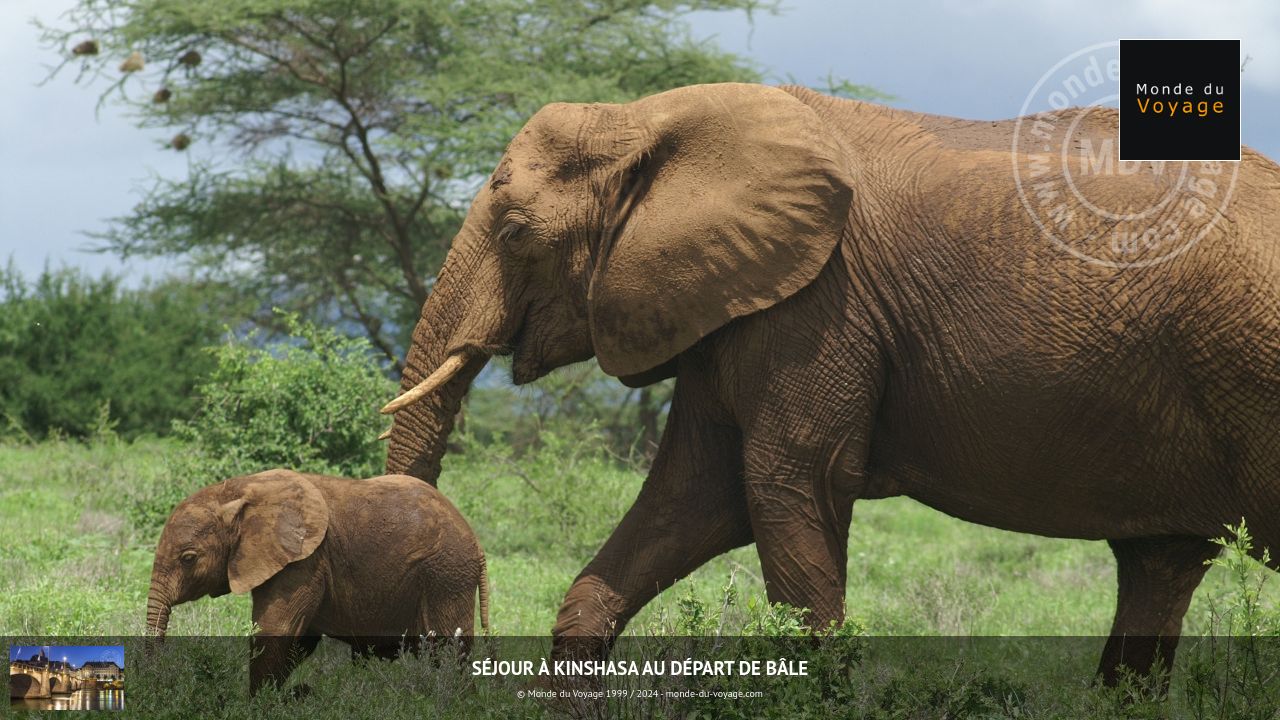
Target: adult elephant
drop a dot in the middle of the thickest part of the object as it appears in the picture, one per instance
(855, 304)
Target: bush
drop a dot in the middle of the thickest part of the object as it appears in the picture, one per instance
(1232, 669)
(309, 403)
(71, 345)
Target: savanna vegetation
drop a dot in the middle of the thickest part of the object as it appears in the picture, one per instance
(79, 520)
(334, 146)
(74, 348)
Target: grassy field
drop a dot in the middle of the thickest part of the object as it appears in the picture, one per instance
(76, 536)
(72, 560)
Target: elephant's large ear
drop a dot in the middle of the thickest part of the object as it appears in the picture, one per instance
(735, 201)
(276, 517)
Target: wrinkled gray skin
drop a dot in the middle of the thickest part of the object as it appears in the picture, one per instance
(370, 562)
(855, 304)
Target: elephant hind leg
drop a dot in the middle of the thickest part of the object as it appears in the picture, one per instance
(1156, 578)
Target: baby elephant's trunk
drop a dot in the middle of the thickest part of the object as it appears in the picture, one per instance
(157, 615)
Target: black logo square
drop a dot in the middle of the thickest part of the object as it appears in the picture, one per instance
(1179, 99)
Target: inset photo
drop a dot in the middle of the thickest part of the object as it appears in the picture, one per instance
(66, 677)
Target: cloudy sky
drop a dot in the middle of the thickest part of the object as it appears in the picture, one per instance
(62, 172)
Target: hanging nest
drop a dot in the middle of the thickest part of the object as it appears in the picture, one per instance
(133, 63)
(181, 141)
(88, 47)
(162, 96)
(190, 58)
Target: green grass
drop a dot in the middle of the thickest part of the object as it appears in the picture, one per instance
(72, 562)
(75, 558)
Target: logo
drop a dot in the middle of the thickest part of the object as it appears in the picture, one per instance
(1180, 99)
(1082, 196)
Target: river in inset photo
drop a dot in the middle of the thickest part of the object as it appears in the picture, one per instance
(77, 700)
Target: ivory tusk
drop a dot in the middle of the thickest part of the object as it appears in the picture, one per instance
(386, 433)
(447, 370)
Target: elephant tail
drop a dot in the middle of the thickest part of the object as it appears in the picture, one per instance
(483, 592)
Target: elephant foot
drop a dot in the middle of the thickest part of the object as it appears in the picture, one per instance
(592, 615)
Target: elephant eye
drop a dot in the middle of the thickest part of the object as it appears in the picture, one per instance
(188, 557)
(509, 233)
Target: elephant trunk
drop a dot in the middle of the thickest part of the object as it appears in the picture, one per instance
(157, 614)
(451, 344)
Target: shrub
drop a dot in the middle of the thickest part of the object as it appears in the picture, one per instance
(1232, 669)
(309, 403)
(71, 345)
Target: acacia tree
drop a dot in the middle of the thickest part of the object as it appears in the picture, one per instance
(336, 142)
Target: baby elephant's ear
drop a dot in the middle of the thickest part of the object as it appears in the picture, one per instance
(276, 517)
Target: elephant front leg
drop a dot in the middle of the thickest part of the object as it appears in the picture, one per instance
(283, 608)
(690, 509)
(803, 470)
(802, 536)
(275, 657)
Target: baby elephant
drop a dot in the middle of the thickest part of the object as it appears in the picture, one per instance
(366, 561)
